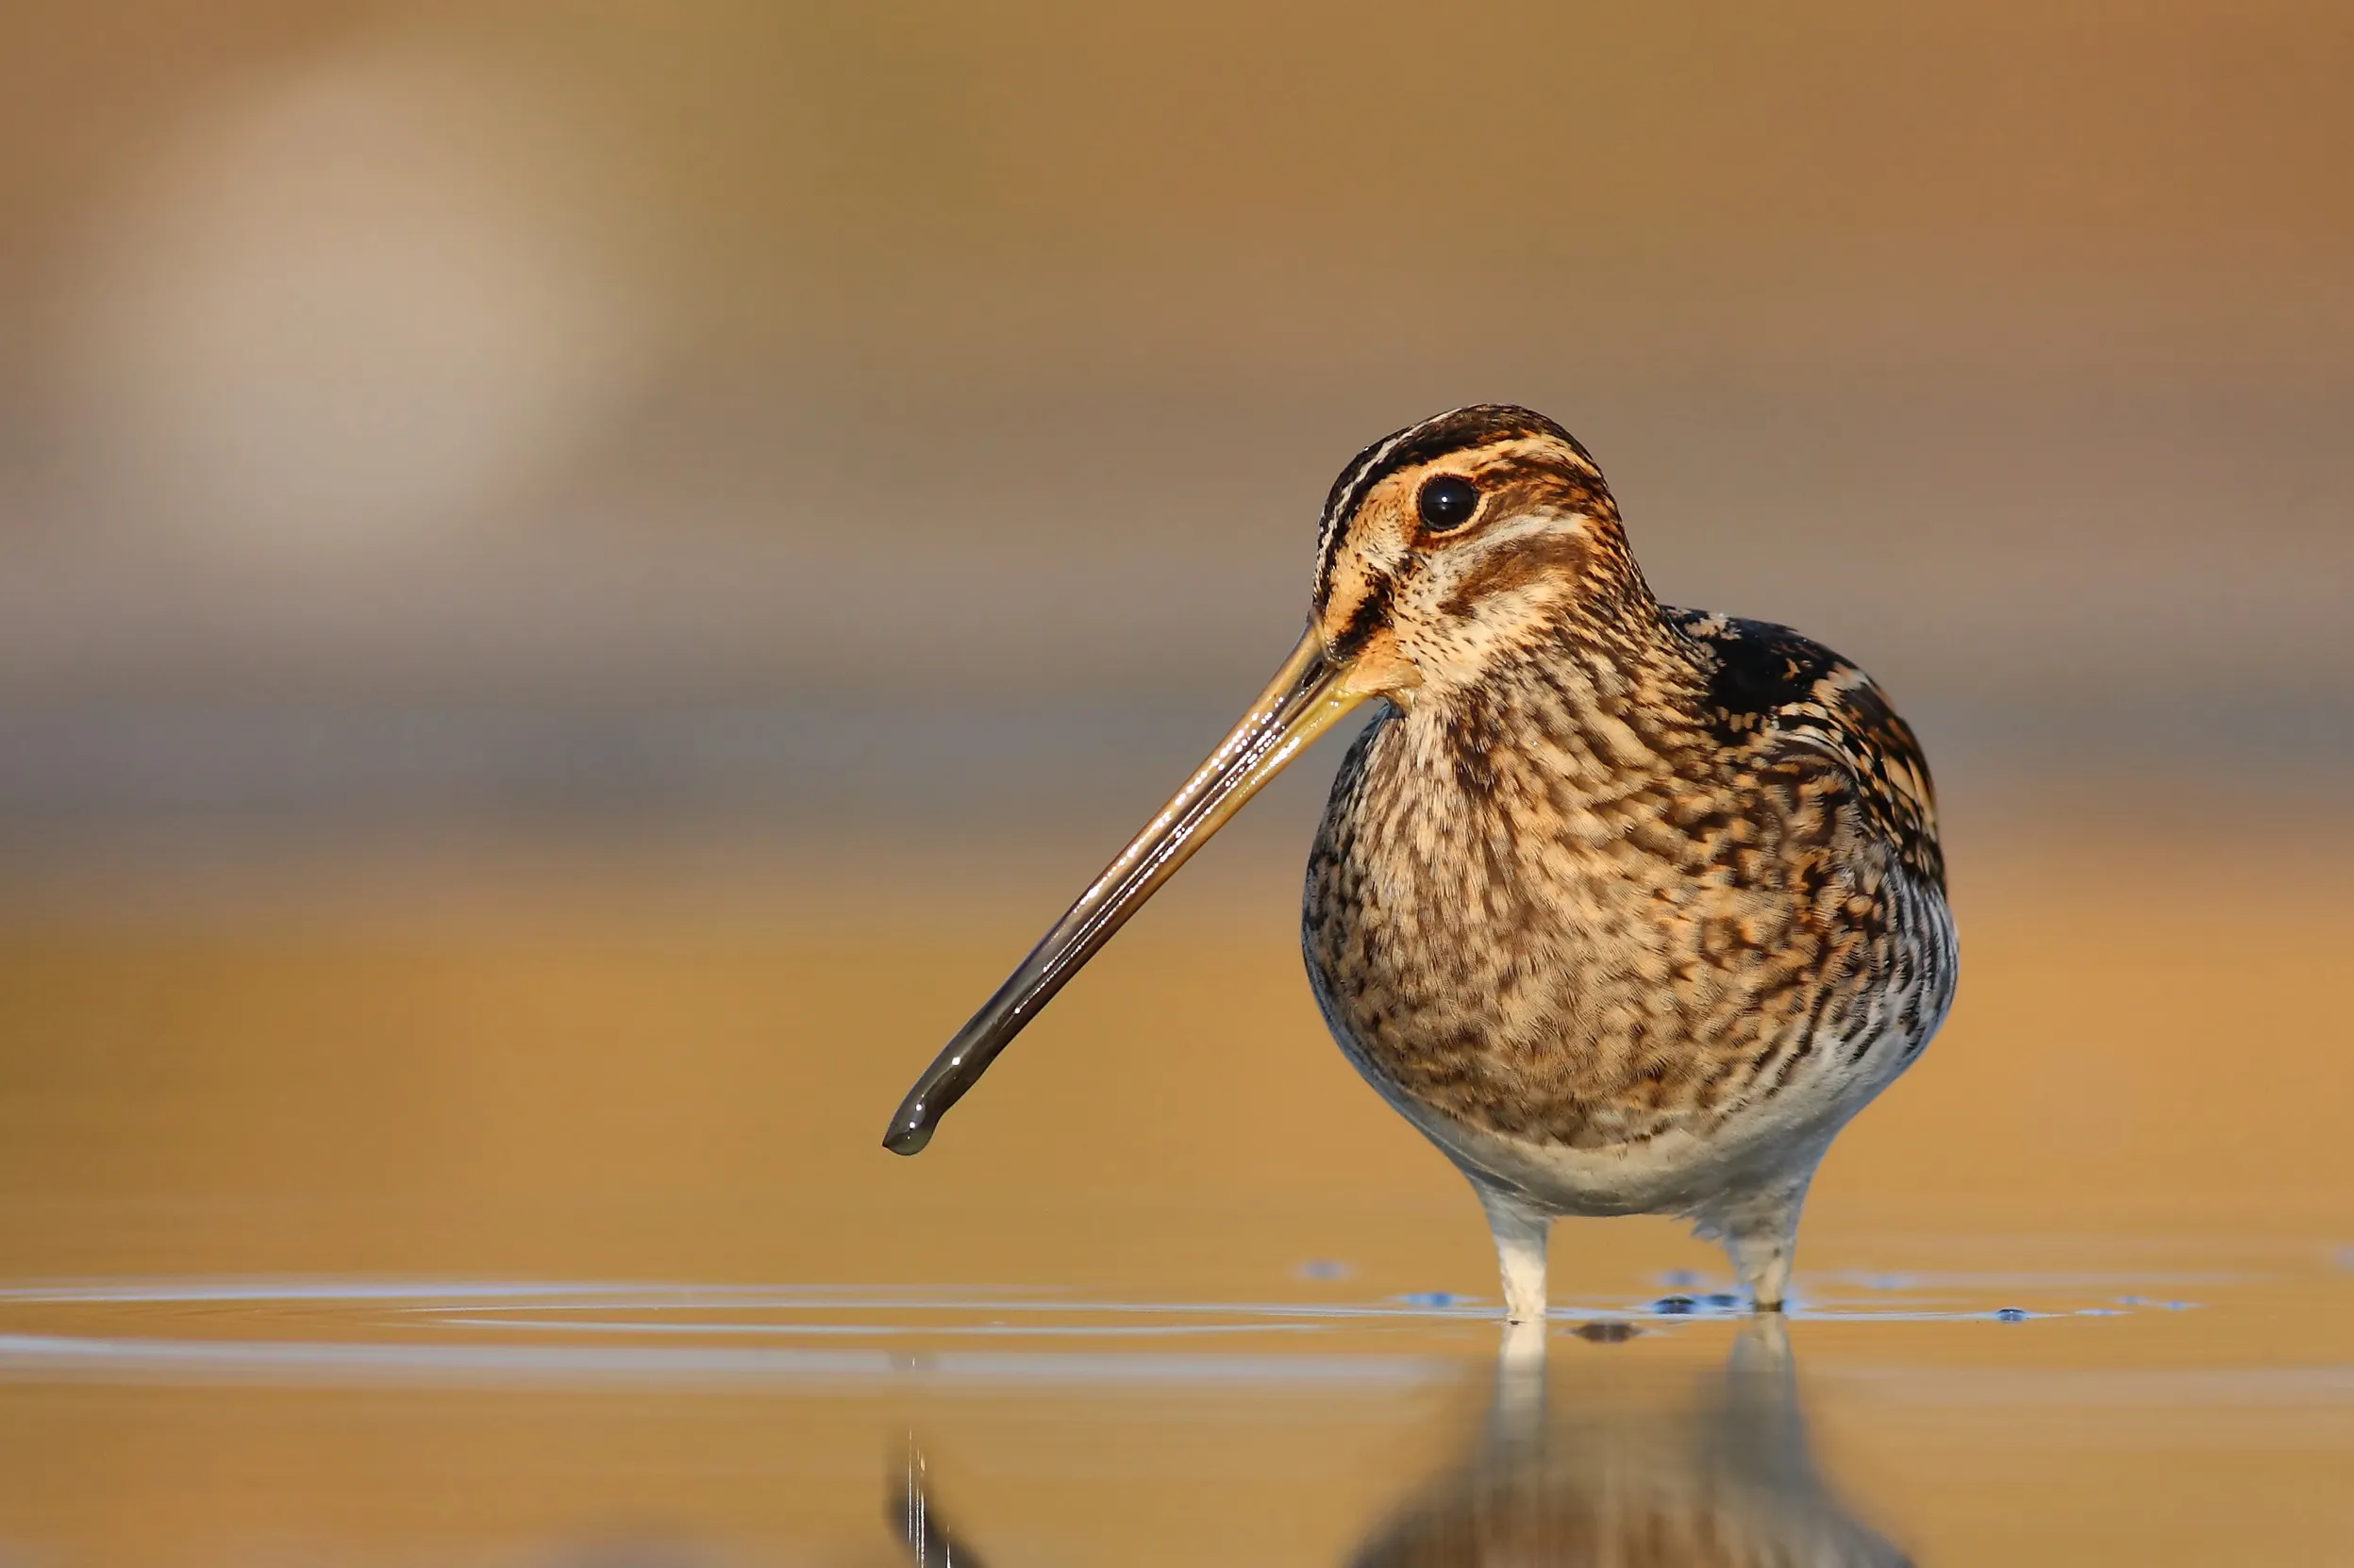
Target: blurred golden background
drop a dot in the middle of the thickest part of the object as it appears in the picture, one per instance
(774, 412)
(578, 579)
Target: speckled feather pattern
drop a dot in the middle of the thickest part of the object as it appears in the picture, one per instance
(1652, 870)
(1628, 910)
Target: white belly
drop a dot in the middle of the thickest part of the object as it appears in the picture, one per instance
(1679, 1171)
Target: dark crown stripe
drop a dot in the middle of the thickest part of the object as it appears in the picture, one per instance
(1457, 430)
(1362, 471)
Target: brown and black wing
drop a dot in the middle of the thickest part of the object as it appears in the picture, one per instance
(1776, 688)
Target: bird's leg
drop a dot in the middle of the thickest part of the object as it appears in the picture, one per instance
(1760, 1410)
(1522, 1351)
(1520, 1231)
(1758, 1231)
(1515, 1424)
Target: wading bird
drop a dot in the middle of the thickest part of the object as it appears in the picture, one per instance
(1628, 908)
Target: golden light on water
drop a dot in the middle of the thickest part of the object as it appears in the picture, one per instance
(612, 1118)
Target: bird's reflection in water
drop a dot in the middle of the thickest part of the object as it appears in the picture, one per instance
(1577, 1465)
(930, 1538)
(1581, 1467)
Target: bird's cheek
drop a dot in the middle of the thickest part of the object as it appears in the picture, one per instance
(1383, 668)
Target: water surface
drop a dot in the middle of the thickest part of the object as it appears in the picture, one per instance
(429, 1212)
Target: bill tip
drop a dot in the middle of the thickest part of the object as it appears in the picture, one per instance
(907, 1138)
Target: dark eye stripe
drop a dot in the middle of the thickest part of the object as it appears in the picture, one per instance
(1372, 613)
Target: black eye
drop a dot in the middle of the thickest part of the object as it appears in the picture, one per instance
(1447, 502)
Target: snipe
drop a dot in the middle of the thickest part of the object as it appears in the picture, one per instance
(1628, 908)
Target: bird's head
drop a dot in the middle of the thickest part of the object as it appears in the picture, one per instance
(1454, 545)
(1444, 549)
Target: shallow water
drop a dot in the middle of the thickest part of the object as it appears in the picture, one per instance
(534, 1216)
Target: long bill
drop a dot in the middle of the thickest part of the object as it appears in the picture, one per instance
(1307, 697)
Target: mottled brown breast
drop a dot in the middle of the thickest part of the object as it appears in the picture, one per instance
(1605, 897)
